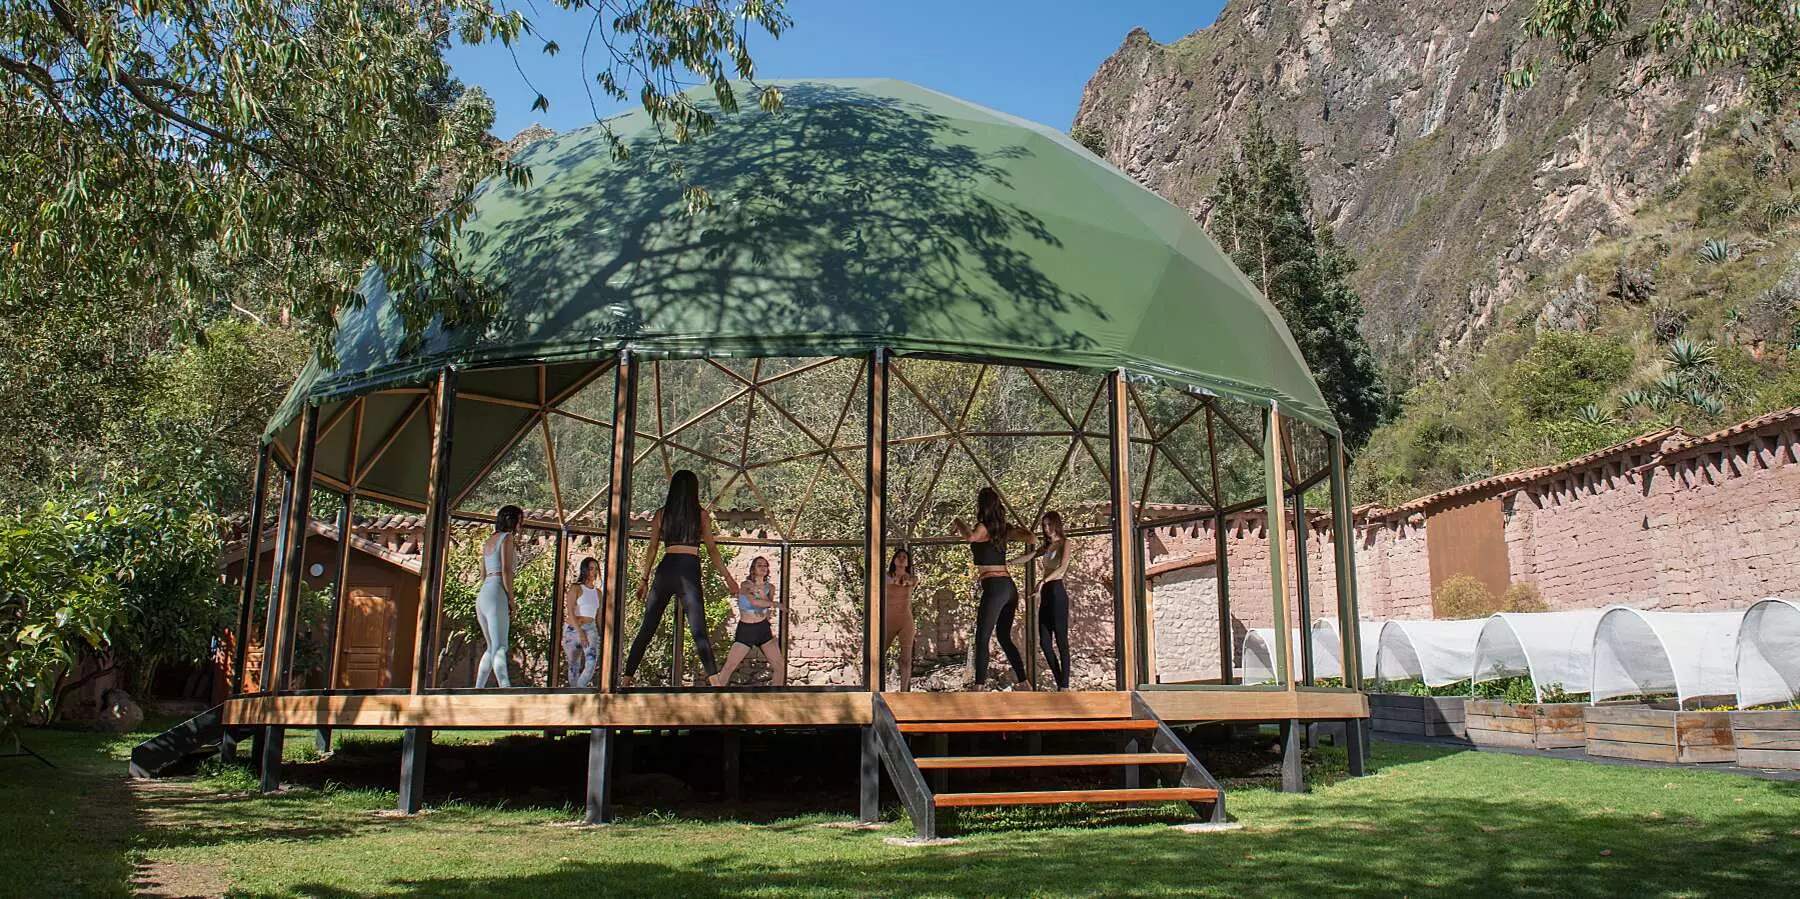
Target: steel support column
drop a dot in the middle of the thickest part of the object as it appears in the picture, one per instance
(1343, 538)
(437, 532)
(272, 607)
(875, 528)
(1274, 502)
(252, 563)
(414, 743)
(618, 536)
(293, 565)
(559, 582)
(868, 806)
(1127, 580)
(1303, 590)
(602, 743)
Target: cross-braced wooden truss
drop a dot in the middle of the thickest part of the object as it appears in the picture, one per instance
(780, 444)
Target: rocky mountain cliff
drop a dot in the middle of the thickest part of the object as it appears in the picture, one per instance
(1453, 189)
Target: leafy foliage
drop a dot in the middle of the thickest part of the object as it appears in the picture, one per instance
(1090, 136)
(1690, 336)
(1260, 217)
(1677, 39)
(129, 581)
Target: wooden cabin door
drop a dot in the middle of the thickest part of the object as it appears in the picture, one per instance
(366, 650)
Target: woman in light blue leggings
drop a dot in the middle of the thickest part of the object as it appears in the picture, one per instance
(493, 605)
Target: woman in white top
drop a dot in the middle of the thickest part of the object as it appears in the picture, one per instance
(580, 636)
(493, 605)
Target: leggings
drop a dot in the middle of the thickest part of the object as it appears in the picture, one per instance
(1053, 627)
(999, 600)
(677, 573)
(581, 660)
(496, 625)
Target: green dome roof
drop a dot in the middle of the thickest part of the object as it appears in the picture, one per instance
(862, 214)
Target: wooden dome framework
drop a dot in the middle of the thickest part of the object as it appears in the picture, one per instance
(1101, 430)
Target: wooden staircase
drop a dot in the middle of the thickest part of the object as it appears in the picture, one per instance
(1140, 740)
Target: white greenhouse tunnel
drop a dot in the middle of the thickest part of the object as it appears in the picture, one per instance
(1768, 654)
(1553, 648)
(1435, 652)
(1328, 641)
(1645, 653)
(1328, 656)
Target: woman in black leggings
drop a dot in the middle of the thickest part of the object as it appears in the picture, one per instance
(684, 526)
(1053, 599)
(999, 595)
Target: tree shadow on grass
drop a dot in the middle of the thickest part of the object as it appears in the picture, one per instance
(1430, 847)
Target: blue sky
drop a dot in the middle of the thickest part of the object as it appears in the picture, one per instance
(1030, 59)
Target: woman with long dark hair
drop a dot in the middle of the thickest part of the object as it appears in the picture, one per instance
(897, 617)
(679, 529)
(493, 605)
(580, 636)
(999, 600)
(1052, 553)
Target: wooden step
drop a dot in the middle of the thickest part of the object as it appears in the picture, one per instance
(1015, 706)
(1055, 797)
(1049, 761)
(1001, 727)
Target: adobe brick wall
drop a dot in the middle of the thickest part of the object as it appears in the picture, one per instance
(1712, 525)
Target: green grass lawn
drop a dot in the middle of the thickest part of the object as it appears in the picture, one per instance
(1428, 822)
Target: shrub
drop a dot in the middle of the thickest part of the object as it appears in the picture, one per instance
(1523, 597)
(1463, 596)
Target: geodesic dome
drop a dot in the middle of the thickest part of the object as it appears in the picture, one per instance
(1645, 653)
(1768, 653)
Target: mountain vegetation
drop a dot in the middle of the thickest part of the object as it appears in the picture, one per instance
(1689, 316)
(1260, 216)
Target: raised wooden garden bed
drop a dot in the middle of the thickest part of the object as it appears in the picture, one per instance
(1659, 735)
(1767, 739)
(1549, 725)
(1419, 716)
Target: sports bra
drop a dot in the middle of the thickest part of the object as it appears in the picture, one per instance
(989, 552)
(491, 559)
(587, 605)
(767, 594)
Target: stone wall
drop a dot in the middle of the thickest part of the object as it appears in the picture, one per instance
(1675, 523)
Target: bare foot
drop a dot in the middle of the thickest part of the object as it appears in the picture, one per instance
(626, 680)
(714, 680)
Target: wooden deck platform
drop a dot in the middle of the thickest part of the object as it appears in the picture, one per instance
(763, 708)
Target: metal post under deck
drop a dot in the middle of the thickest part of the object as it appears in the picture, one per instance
(414, 742)
(869, 777)
(602, 746)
